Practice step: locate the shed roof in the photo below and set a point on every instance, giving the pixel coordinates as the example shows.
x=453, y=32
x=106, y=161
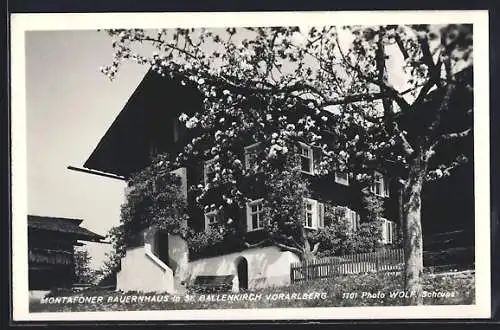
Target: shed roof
x=63, y=225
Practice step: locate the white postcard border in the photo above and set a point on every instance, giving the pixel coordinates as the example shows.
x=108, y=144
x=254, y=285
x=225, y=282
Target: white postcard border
x=20, y=23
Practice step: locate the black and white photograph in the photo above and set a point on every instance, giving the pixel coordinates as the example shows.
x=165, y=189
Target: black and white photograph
x=218, y=166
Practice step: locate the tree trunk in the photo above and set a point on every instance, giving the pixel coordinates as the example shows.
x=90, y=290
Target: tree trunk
x=412, y=231
x=307, y=254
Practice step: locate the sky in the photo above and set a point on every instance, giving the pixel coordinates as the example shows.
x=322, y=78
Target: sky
x=70, y=105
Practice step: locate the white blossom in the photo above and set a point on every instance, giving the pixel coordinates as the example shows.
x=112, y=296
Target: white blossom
x=192, y=122
x=298, y=39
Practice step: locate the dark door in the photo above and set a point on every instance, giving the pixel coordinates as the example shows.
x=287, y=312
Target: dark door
x=162, y=244
x=243, y=274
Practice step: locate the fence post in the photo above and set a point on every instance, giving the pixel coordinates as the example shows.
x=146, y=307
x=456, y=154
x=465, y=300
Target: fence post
x=306, y=266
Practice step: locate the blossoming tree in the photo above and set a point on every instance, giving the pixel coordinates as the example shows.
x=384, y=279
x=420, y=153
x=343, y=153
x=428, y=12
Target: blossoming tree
x=364, y=97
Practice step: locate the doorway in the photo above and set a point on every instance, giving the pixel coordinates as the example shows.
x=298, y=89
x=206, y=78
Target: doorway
x=242, y=268
x=162, y=246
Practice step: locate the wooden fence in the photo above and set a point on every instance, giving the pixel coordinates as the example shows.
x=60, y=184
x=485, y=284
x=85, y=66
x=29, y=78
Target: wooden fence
x=381, y=261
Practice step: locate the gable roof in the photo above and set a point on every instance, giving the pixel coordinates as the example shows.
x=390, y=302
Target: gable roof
x=141, y=124
x=63, y=225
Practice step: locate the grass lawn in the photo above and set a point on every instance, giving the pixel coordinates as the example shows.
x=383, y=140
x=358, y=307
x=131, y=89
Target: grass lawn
x=354, y=290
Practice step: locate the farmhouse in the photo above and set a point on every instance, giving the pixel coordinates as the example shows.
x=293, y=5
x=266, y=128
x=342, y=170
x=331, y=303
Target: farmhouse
x=149, y=124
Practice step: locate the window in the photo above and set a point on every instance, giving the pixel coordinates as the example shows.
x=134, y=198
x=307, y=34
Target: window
x=208, y=170
x=211, y=219
x=351, y=216
x=380, y=185
x=306, y=158
x=255, y=215
x=251, y=155
x=311, y=218
x=342, y=178
x=388, y=234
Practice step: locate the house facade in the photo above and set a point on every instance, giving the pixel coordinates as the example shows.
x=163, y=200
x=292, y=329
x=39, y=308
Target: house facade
x=149, y=124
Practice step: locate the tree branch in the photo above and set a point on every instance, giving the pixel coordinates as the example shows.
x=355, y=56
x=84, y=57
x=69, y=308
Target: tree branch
x=407, y=148
x=399, y=42
x=384, y=86
x=292, y=249
x=354, y=98
x=315, y=249
x=382, y=76
x=442, y=107
x=248, y=245
x=434, y=69
x=451, y=136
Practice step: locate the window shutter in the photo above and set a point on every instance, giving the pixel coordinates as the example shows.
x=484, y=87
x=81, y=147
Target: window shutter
x=316, y=155
x=384, y=231
x=352, y=216
x=243, y=219
x=321, y=215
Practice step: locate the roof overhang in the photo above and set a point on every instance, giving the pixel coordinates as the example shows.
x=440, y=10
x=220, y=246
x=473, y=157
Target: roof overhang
x=125, y=147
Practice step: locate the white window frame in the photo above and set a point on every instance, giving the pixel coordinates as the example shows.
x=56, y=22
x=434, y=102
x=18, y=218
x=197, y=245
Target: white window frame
x=248, y=152
x=303, y=146
x=341, y=180
x=388, y=234
x=314, y=213
x=259, y=214
x=206, y=164
x=209, y=215
x=380, y=181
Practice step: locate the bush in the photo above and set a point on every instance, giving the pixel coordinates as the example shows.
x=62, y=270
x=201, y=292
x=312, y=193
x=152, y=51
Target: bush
x=212, y=242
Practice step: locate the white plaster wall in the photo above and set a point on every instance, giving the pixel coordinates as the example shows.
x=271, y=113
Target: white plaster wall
x=178, y=254
x=141, y=270
x=267, y=266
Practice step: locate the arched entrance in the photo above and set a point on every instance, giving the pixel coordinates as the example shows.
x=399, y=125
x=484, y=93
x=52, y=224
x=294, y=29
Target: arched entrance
x=242, y=269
